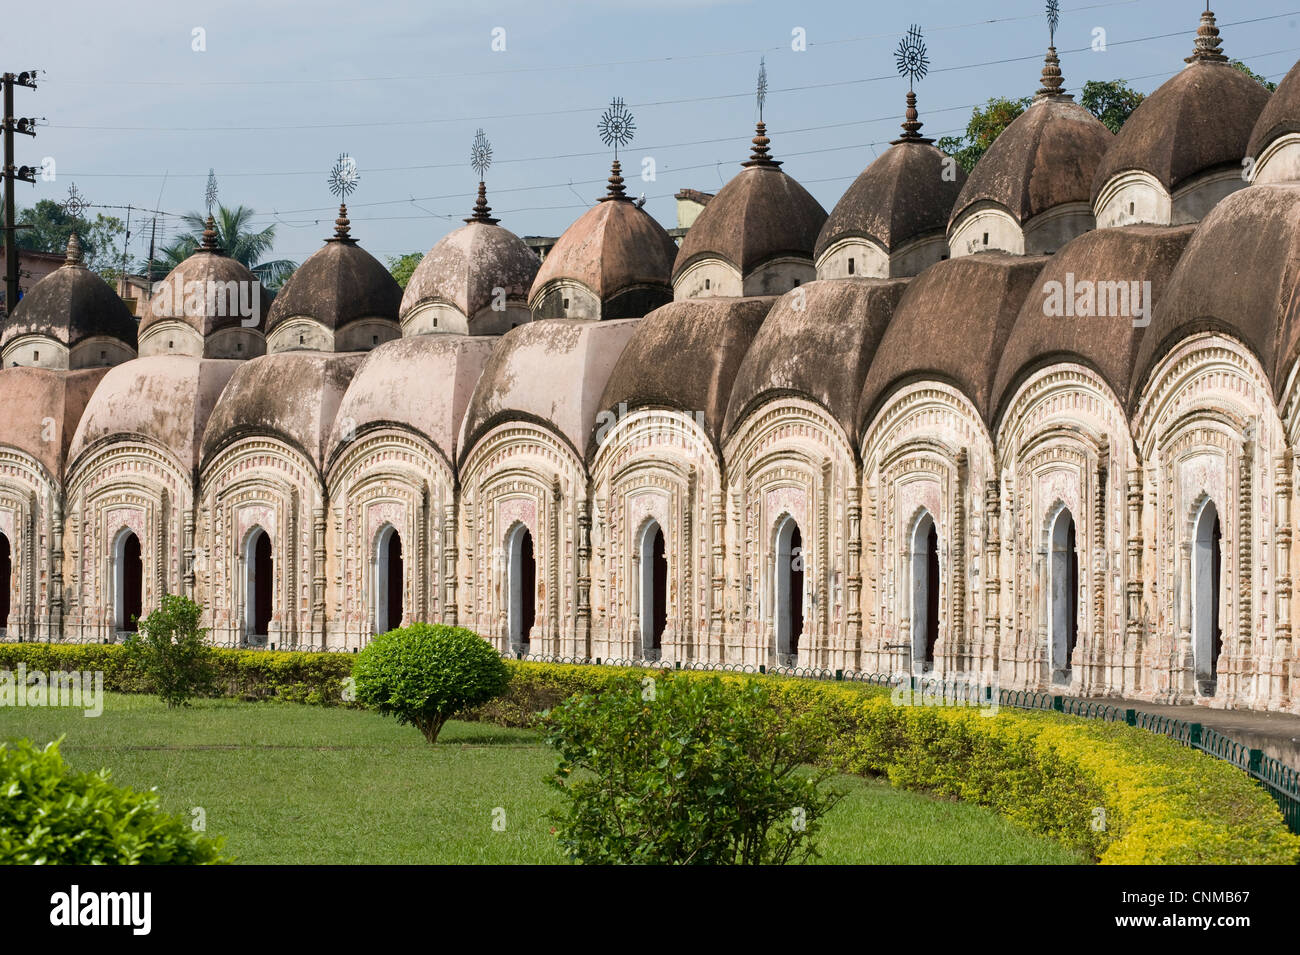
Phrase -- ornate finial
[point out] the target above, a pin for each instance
(1207, 46)
(1053, 21)
(913, 62)
(762, 86)
(210, 193)
(616, 128)
(343, 179)
(760, 157)
(75, 204)
(1052, 78)
(74, 252)
(480, 158)
(616, 125)
(210, 236)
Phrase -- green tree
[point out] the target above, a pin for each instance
(171, 651)
(236, 239)
(1238, 65)
(986, 124)
(675, 770)
(101, 237)
(402, 266)
(425, 674)
(1111, 101)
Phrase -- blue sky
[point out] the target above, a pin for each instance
(137, 116)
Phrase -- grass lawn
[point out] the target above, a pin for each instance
(304, 785)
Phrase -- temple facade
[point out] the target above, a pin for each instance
(1034, 426)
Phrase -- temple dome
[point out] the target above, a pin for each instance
(1181, 150)
(1275, 141)
(209, 306)
(1031, 192)
(163, 400)
(893, 220)
(755, 237)
(69, 319)
(341, 299)
(454, 288)
(615, 262)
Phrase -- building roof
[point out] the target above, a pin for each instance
(207, 268)
(41, 404)
(465, 266)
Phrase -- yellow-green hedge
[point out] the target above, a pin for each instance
(1121, 795)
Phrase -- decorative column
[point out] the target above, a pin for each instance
(823, 568)
(188, 582)
(56, 569)
(1133, 651)
(318, 575)
(582, 637)
(1100, 639)
(717, 583)
(1279, 692)
(450, 554)
(1245, 565)
(854, 573)
(553, 570)
(686, 639)
(992, 571)
(958, 650)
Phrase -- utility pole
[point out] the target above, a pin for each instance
(11, 175)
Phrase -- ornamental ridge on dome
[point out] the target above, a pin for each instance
(1208, 46)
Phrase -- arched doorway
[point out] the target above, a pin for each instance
(789, 590)
(925, 592)
(1207, 569)
(654, 590)
(6, 581)
(1063, 587)
(128, 582)
(389, 580)
(260, 568)
(523, 586)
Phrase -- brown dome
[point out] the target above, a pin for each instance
(818, 346)
(1048, 157)
(1238, 277)
(206, 268)
(337, 285)
(465, 266)
(293, 396)
(684, 356)
(1106, 344)
(617, 251)
(760, 215)
(70, 305)
(1280, 115)
(902, 196)
(1198, 121)
(951, 325)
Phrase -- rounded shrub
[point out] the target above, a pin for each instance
(425, 674)
(52, 816)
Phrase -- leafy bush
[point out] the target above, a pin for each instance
(170, 650)
(426, 673)
(673, 770)
(53, 816)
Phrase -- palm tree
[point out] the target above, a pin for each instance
(235, 240)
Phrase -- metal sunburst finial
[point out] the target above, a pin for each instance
(480, 154)
(75, 204)
(1053, 18)
(912, 57)
(762, 86)
(616, 125)
(344, 177)
(210, 193)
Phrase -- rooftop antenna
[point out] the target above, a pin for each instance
(913, 61)
(616, 128)
(480, 159)
(343, 179)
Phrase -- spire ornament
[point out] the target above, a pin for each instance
(616, 128)
(759, 156)
(1208, 48)
(343, 179)
(1051, 78)
(913, 61)
(210, 227)
(480, 158)
(74, 256)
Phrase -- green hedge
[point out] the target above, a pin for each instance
(242, 674)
